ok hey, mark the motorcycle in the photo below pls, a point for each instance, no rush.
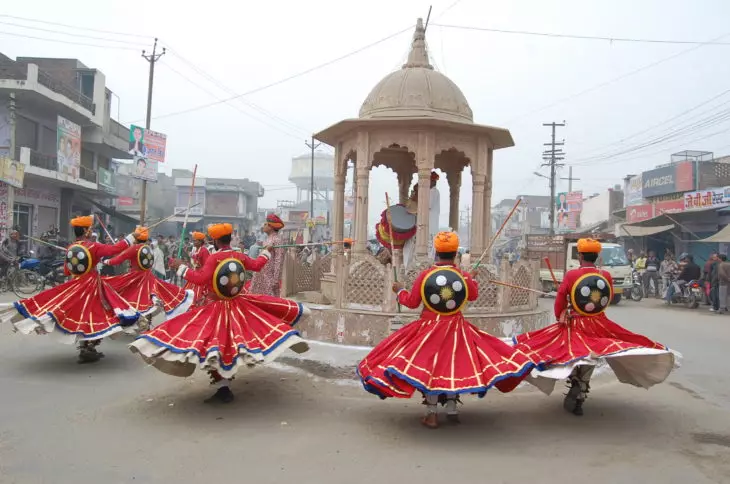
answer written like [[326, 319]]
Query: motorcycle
[[53, 274], [690, 295], [636, 292]]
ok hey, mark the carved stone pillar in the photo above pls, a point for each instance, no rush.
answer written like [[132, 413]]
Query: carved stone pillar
[[488, 198], [454, 179], [424, 161], [362, 185], [339, 201], [404, 182], [477, 206]]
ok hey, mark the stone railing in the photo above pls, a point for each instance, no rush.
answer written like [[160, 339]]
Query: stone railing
[[368, 286], [304, 273]]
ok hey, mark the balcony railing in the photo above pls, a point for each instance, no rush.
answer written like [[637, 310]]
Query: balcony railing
[[48, 162], [66, 91], [119, 130], [87, 174]]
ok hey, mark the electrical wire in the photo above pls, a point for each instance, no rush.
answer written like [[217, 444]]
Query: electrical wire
[[617, 79], [89, 29], [285, 79], [236, 107], [70, 34], [120, 47], [579, 37]]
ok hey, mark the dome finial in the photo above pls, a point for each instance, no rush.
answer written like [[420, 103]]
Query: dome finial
[[418, 56]]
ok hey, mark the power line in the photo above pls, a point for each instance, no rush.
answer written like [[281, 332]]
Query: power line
[[617, 79], [230, 91], [552, 156], [580, 37], [237, 108], [89, 29], [70, 34], [120, 47], [288, 78]]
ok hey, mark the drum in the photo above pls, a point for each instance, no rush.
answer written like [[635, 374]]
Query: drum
[[591, 294], [400, 219]]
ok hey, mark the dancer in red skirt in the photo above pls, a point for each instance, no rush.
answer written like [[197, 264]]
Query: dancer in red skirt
[[441, 354], [584, 337], [145, 292], [198, 256], [233, 328], [84, 309]]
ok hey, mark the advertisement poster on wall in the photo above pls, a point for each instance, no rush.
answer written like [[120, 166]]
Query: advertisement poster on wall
[[106, 180], [12, 172], [669, 206], [675, 178], [568, 206], [68, 147], [633, 196], [637, 213], [147, 148]]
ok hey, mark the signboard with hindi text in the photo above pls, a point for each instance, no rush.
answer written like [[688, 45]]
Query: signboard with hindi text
[[711, 197]]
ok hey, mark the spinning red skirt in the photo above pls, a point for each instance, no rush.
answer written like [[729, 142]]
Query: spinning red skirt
[[200, 292], [223, 335], [144, 291], [444, 354], [594, 340], [84, 308]]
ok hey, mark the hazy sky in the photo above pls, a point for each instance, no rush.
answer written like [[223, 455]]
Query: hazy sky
[[513, 81]]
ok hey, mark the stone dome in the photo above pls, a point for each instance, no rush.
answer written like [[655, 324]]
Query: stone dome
[[417, 90]]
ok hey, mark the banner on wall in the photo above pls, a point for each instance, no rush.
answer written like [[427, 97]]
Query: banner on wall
[[712, 197], [568, 206], [12, 172], [147, 148], [638, 213], [669, 206], [633, 196], [68, 146]]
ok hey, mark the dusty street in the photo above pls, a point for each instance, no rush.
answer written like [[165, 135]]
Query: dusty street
[[119, 421]]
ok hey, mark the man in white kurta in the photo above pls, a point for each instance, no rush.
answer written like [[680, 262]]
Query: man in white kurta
[[433, 215]]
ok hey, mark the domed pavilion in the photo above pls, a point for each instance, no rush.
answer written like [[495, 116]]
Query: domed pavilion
[[413, 121]]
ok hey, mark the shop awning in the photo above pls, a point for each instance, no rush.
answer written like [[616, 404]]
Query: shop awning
[[722, 236], [181, 218], [637, 231]]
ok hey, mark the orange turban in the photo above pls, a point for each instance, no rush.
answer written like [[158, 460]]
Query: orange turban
[[434, 176], [86, 221], [220, 230], [198, 235], [142, 234], [273, 221], [589, 246], [347, 242], [446, 242]]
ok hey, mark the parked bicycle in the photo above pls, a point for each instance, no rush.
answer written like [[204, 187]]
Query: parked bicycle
[[22, 282]]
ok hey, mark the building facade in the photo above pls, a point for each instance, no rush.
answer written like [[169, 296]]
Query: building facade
[[55, 119]]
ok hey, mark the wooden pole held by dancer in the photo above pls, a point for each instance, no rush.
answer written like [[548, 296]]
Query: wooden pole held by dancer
[[491, 242]]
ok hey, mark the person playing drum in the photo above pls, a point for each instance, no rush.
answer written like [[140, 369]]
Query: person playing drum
[[441, 354], [584, 337]]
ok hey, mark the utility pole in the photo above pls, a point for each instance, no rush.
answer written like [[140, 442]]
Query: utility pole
[[552, 156], [152, 60], [313, 147], [570, 179]]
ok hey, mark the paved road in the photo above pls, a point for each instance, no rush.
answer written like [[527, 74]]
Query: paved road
[[120, 422]]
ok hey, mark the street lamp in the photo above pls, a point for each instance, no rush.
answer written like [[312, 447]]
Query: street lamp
[[540, 175]]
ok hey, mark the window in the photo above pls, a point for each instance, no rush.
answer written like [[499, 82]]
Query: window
[[49, 143], [22, 217]]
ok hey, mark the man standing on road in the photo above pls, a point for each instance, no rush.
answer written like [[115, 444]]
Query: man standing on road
[[715, 284], [723, 276], [651, 273]]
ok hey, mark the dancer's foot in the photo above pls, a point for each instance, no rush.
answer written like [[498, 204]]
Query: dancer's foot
[[571, 398], [431, 420], [222, 395], [89, 356], [578, 409], [453, 418]]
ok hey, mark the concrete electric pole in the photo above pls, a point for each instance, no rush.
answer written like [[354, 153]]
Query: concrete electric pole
[[552, 156], [313, 147], [152, 60], [570, 179]]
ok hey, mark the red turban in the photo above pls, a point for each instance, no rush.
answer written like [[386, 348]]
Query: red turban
[[273, 221], [434, 176]]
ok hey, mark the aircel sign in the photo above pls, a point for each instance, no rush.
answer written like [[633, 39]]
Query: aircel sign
[[678, 177]]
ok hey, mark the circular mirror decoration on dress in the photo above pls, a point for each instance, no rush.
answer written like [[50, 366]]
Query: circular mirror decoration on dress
[[229, 278], [591, 294], [444, 290], [78, 260], [145, 258]]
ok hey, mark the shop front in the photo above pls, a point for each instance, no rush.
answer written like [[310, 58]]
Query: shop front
[[36, 208]]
